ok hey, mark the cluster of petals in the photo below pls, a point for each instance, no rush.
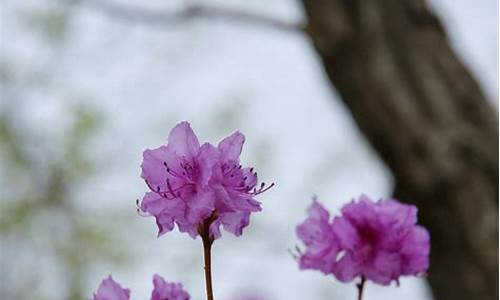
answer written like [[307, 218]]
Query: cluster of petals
[[111, 290], [378, 241], [190, 183]]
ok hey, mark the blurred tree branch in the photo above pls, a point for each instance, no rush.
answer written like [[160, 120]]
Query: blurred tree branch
[[189, 13]]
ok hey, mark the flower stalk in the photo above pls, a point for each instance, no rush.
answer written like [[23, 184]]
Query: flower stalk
[[207, 240], [361, 286]]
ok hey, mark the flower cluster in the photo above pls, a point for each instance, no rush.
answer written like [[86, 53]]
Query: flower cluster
[[190, 183], [377, 241], [202, 187], [111, 290]]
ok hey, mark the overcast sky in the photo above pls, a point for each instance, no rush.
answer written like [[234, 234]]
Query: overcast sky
[[222, 76]]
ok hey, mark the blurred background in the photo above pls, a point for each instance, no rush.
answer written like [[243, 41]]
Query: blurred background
[[86, 86]]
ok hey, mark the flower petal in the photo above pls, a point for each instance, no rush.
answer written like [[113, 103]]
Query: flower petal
[[164, 210], [315, 229], [200, 206], [152, 166], [385, 267], [347, 268], [415, 250], [111, 290], [166, 290], [208, 158], [346, 233], [235, 222], [182, 141], [399, 215], [230, 147], [318, 212]]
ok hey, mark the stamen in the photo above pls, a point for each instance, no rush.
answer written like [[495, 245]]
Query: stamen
[[170, 171], [169, 186], [229, 170], [262, 188], [150, 186], [296, 253], [139, 210], [165, 194]]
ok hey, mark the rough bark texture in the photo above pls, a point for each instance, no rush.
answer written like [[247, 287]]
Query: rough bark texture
[[428, 120]]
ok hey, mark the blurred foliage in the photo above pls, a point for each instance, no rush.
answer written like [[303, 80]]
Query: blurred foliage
[[39, 216], [48, 208], [51, 23]]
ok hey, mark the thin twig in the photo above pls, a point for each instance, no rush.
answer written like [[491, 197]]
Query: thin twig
[[189, 13]]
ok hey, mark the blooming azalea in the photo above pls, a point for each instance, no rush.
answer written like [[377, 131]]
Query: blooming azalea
[[110, 290], [167, 291], [377, 241], [190, 184], [380, 241]]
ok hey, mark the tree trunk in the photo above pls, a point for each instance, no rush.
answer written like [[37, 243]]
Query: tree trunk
[[428, 120]]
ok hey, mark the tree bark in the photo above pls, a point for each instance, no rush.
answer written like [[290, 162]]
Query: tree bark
[[428, 120]]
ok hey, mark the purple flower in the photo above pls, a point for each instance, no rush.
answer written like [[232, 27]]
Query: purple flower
[[110, 290], [167, 291], [190, 183], [317, 234], [379, 241]]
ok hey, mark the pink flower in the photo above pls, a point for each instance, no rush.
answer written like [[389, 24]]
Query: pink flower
[[190, 183], [110, 290], [379, 241], [317, 234], [167, 291]]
